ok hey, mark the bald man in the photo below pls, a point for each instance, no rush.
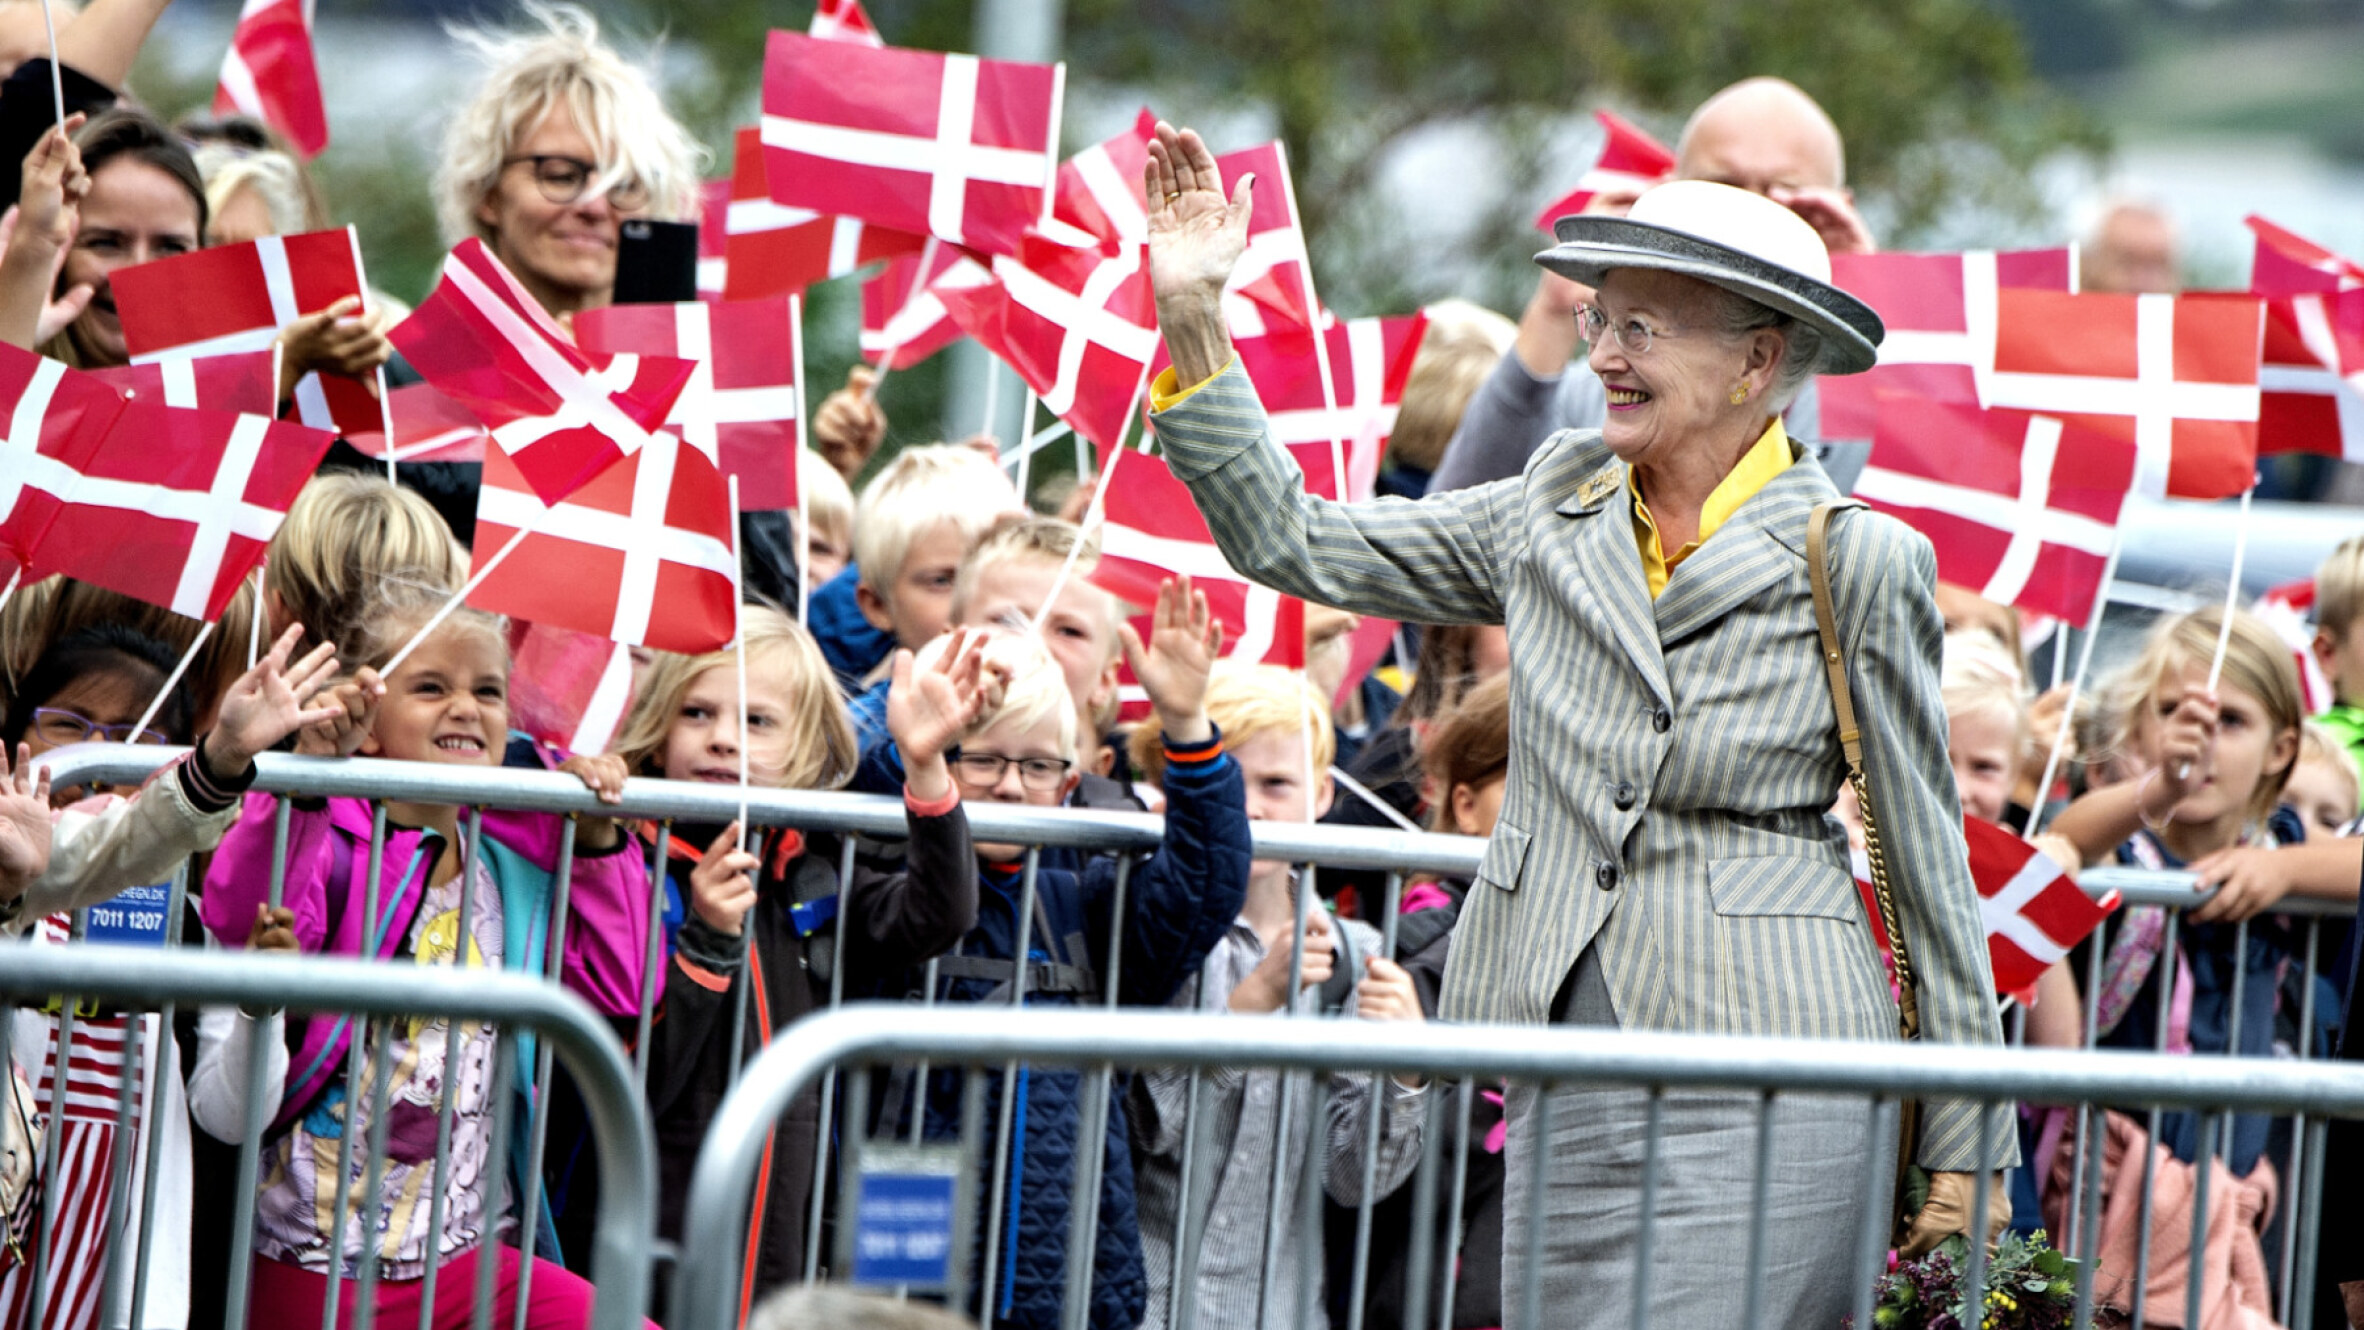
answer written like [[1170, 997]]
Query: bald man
[[1764, 135], [2134, 250]]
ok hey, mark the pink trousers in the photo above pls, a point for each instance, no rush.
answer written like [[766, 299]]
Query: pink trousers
[[287, 1295]]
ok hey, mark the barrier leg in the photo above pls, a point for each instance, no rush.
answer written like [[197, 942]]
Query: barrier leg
[[447, 1106], [1182, 1308], [1759, 1196], [1645, 1244], [496, 1172], [1419, 1261], [1538, 1189], [52, 1144], [1465, 1110], [152, 1145], [1871, 1240], [373, 1177], [2195, 1279], [538, 1124], [250, 1138]]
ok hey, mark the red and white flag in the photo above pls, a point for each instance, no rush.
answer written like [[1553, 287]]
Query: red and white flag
[[1940, 312], [2313, 376], [2022, 508], [563, 416], [269, 73], [953, 146], [642, 554], [1630, 162], [428, 427], [1271, 285], [844, 21], [175, 506], [744, 404], [233, 298], [903, 316], [1370, 360], [771, 250], [1101, 198], [2176, 374], [568, 689], [2033, 912], [56, 418], [714, 212], [243, 381], [2289, 610], [1078, 325]]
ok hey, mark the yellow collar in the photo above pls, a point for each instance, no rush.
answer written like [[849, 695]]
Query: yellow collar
[[1768, 457]]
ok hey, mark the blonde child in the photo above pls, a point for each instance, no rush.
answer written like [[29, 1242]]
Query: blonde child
[[776, 915], [346, 536], [1179, 900], [914, 523], [829, 506], [2324, 785], [447, 704], [1277, 728], [2339, 640]]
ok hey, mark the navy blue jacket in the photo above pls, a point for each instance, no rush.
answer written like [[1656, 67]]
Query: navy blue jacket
[[1179, 900]]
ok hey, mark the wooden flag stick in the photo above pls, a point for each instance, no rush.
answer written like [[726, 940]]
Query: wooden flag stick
[[435, 621], [804, 503], [2232, 591], [2068, 710], [173, 679], [57, 76], [254, 619], [1026, 447], [10, 590], [1094, 510], [739, 634]]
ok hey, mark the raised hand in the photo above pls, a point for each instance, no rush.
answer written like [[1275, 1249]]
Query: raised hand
[[1196, 236], [2187, 756], [1184, 641], [341, 339], [604, 775], [37, 232], [24, 823], [722, 889], [273, 930], [849, 425], [1831, 212], [929, 711], [342, 734], [267, 704]]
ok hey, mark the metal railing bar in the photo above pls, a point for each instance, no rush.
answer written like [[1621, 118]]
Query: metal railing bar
[[448, 1106], [175, 907]]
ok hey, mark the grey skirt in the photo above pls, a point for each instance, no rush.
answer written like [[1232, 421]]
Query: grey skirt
[[1827, 1157]]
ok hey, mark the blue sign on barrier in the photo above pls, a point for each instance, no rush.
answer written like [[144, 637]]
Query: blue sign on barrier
[[134, 918], [907, 1217]]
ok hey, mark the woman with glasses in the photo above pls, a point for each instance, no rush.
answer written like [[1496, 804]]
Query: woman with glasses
[[1663, 859]]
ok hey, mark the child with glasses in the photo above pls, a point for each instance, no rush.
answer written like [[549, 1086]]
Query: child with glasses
[[1177, 902]]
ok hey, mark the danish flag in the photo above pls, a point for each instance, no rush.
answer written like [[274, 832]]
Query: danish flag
[[244, 381], [953, 146], [564, 417], [2289, 610], [1078, 325], [56, 419], [1370, 360], [771, 250], [1272, 282], [428, 427], [2313, 376], [1100, 197], [237, 298], [269, 73], [2176, 374], [1940, 312], [744, 402], [903, 316], [844, 21], [1630, 162], [568, 689], [2022, 508], [2033, 911], [643, 553], [714, 210]]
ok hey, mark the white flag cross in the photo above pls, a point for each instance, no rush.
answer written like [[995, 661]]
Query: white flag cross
[[2029, 518], [279, 284], [583, 397], [1083, 319]]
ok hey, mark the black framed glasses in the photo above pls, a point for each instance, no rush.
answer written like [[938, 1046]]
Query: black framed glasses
[[59, 727], [1041, 774], [563, 179]]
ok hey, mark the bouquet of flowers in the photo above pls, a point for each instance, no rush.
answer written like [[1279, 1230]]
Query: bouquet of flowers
[[2029, 1286]]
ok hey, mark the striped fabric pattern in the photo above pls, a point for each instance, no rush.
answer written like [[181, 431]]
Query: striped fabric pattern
[[1718, 895], [77, 1254]]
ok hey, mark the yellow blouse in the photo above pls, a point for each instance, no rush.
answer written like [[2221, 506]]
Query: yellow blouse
[[1768, 457]]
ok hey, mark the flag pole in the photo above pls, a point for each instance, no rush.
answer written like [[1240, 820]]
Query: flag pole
[[804, 503], [739, 633], [9, 591], [1313, 315], [1093, 511], [254, 620], [1025, 445], [173, 679], [2232, 591], [57, 77], [475, 580], [2068, 709]]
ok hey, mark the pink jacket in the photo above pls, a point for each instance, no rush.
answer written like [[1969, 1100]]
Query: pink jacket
[[603, 953]]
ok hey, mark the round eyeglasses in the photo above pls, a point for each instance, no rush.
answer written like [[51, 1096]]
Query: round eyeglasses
[[58, 727], [1632, 334], [563, 180], [1040, 774]]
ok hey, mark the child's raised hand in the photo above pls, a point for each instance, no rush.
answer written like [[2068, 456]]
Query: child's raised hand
[[341, 735], [721, 888], [930, 711], [267, 704], [24, 823], [2187, 753], [603, 774], [274, 930], [1184, 640], [2248, 879]]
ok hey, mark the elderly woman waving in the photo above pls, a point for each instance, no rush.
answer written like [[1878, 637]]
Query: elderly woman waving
[[1663, 861]]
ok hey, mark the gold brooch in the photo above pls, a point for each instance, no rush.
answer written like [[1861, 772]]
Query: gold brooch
[[1600, 484]]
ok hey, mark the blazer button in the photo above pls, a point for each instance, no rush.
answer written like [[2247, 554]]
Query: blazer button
[[1623, 796], [1606, 876], [1662, 720]]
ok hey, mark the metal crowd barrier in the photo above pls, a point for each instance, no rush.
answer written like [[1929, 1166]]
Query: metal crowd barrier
[[1395, 854], [141, 978]]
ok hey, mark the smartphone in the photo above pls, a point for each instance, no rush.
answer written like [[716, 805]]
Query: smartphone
[[657, 263]]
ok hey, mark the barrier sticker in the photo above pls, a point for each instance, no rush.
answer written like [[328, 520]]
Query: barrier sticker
[[133, 919], [908, 1216]]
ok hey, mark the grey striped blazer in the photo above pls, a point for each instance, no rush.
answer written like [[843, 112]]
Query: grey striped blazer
[[1672, 760]]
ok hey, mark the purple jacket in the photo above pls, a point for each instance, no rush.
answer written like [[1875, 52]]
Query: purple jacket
[[604, 952]]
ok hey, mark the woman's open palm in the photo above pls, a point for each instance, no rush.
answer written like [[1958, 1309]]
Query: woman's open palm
[[1196, 235]]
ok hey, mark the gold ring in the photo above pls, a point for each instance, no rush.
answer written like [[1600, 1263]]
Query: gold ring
[[1173, 196]]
